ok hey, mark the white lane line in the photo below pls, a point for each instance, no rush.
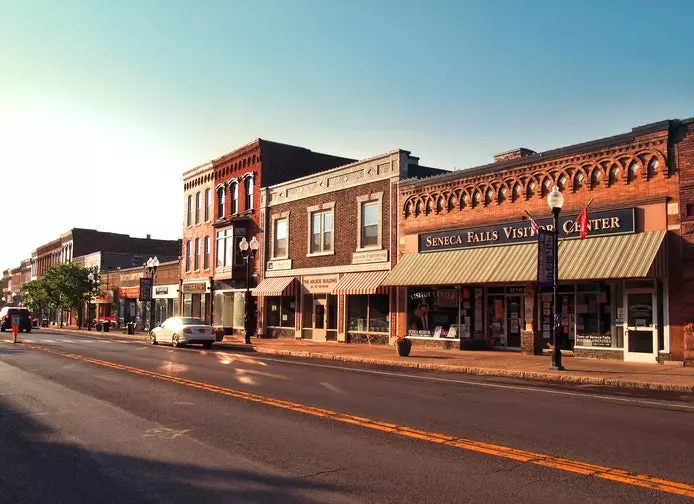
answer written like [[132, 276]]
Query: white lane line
[[522, 388], [28, 341], [47, 341]]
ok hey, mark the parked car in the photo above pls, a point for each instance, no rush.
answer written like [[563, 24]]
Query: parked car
[[180, 331], [6, 318]]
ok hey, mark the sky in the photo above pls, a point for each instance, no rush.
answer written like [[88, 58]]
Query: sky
[[104, 104]]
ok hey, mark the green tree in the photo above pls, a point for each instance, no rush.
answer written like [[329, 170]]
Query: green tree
[[69, 287], [35, 296]]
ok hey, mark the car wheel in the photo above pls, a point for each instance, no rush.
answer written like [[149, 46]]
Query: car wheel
[[174, 340], [152, 339], [28, 329], [207, 345]]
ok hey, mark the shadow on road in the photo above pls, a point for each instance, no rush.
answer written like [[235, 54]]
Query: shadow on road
[[37, 467]]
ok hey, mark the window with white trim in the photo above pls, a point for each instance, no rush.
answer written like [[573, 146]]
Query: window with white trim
[[280, 238], [189, 216], [188, 255], [198, 205], [369, 224], [206, 253], [225, 247], [321, 239], [248, 189], [197, 254], [234, 193]]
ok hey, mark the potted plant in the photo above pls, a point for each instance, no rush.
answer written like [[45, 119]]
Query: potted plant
[[403, 346]]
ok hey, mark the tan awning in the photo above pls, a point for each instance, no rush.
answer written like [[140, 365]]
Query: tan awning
[[277, 286], [623, 256], [368, 282]]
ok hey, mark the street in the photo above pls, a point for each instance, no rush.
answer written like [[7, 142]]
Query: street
[[107, 419]]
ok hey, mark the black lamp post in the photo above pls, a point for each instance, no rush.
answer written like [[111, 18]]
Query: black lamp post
[[152, 265], [248, 249], [555, 200]]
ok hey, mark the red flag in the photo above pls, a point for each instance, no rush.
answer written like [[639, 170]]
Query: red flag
[[533, 225], [582, 222]]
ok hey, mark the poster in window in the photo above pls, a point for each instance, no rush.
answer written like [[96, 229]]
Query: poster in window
[[437, 331], [466, 305], [453, 332]]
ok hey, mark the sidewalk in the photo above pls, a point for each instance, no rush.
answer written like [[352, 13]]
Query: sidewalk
[[608, 373]]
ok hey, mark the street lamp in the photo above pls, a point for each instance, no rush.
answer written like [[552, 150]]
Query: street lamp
[[555, 200], [152, 265], [248, 250]]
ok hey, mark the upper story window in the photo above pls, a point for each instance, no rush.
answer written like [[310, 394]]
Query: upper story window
[[321, 237], [220, 202], [280, 238], [206, 253], [197, 254], [234, 191], [248, 189], [198, 205], [188, 255], [225, 247], [370, 221], [208, 204], [189, 215]]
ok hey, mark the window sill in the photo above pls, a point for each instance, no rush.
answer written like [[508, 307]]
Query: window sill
[[319, 254], [369, 248], [283, 258], [598, 348]]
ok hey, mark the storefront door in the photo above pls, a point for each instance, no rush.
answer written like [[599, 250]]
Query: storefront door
[[641, 341], [514, 308], [320, 305], [496, 321]]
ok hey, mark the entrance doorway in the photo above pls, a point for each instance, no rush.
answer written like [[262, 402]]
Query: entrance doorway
[[505, 317], [641, 340], [513, 320], [320, 305]]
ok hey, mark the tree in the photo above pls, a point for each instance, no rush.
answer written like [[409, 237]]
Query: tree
[[35, 296], [69, 287]]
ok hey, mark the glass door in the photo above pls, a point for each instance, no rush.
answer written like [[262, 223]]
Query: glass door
[[514, 310], [320, 305], [496, 321], [641, 342]]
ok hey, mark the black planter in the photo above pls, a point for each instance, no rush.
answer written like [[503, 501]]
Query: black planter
[[404, 346]]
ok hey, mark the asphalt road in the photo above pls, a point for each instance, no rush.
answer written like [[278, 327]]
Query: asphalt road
[[94, 419]]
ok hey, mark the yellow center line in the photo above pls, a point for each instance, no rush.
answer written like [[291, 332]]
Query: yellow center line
[[539, 459]]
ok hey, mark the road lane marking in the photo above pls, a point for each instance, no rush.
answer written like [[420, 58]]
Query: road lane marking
[[539, 459], [524, 388]]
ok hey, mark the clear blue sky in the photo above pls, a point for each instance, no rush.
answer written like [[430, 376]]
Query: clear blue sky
[[103, 104]]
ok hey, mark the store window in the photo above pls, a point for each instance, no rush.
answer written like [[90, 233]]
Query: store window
[[432, 312], [280, 311], [321, 239], [280, 240], [593, 315]]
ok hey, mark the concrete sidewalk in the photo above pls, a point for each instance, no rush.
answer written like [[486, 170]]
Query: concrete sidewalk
[[665, 377]]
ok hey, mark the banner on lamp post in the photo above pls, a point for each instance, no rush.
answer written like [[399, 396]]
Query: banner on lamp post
[[145, 289], [545, 259]]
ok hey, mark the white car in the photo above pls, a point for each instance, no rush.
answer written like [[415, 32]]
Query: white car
[[180, 331]]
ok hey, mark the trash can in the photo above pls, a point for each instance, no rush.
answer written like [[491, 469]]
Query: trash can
[[107, 326], [98, 327], [131, 328]]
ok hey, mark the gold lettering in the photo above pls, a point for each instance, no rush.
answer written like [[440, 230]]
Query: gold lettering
[[429, 241], [568, 226], [507, 232], [606, 223], [615, 222], [471, 237], [495, 235]]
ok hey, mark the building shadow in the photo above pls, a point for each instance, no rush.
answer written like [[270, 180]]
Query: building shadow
[[39, 466]]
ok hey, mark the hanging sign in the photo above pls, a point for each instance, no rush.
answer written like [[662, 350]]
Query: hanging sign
[[545, 259], [146, 289]]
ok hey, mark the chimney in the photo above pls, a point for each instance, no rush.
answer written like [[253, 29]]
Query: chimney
[[513, 154], [149, 236]]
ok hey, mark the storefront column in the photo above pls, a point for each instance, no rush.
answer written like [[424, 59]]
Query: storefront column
[[299, 313], [531, 340], [399, 321], [341, 326]]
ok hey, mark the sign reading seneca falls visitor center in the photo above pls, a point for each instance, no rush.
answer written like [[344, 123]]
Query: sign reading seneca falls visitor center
[[599, 224]]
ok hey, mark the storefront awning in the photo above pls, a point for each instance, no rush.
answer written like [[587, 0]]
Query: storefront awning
[[277, 286], [368, 282], [622, 256]]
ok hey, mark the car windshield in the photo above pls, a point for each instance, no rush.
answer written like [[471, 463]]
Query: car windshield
[[192, 321]]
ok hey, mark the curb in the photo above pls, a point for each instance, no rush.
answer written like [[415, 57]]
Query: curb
[[471, 370], [483, 371]]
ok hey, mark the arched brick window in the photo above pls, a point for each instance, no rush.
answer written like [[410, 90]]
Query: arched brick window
[[578, 181], [632, 171]]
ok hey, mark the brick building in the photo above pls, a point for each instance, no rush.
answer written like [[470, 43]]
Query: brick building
[[467, 261], [328, 245], [238, 177], [197, 255]]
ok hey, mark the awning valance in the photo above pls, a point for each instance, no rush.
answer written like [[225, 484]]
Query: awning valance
[[368, 282], [622, 256], [277, 286]]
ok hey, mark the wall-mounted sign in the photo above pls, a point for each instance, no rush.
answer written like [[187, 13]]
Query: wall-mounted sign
[[281, 264], [370, 256], [599, 224], [166, 291], [129, 292], [320, 284], [194, 287], [161, 291]]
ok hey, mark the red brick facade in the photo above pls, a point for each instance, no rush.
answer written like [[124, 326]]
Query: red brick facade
[[650, 168]]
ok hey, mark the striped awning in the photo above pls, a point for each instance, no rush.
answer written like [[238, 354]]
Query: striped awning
[[277, 286], [368, 282], [601, 258]]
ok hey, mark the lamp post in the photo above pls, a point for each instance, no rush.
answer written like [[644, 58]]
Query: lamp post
[[555, 200], [248, 249], [152, 265]]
